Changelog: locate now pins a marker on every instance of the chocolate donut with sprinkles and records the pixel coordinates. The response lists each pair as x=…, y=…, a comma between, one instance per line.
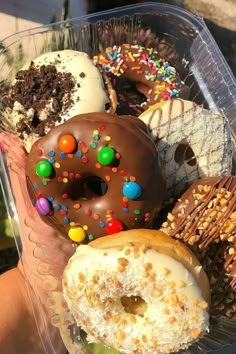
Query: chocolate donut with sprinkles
x=140, y=77
x=96, y=175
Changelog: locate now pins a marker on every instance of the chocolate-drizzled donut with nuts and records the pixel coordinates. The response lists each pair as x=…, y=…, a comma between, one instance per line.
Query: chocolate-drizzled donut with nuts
x=205, y=218
x=96, y=174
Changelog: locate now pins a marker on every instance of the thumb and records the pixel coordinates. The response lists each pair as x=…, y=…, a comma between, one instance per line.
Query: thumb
x=24, y=206
x=14, y=148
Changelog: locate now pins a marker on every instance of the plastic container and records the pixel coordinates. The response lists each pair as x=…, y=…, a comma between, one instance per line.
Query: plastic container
x=185, y=41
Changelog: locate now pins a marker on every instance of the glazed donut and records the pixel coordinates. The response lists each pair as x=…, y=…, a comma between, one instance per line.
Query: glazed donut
x=146, y=293
x=140, y=77
x=192, y=142
x=51, y=89
x=96, y=174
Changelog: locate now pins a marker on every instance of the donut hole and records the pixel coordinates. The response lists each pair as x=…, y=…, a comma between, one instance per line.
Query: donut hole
x=185, y=154
x=87, y=188
x=93, y=187
x=135, y=305
x=130, y=98
x=107, y=106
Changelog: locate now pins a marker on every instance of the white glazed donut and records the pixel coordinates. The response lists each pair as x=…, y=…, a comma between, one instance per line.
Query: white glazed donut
x=192, y=141
x=51, y=89
x=138, y=291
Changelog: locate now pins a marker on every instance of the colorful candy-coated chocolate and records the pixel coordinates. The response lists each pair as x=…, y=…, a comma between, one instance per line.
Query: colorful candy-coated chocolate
x=113, y=226
x=77, y=234
x=106, y=155
x=85, y=187
x=43, y=168
x=67, y=143
x=42, y=206
x=132, y=190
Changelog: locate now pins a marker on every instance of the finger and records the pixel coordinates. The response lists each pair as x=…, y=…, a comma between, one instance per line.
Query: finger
x=57, y=302
x=53, y=255
x=45, y=235
x=45, y=269
x=4, y=136
x=13, y=147
x=18, y=181
x=41, y=282
x=39, y=231
x=28, y=216
x=48, y=235
x=45, y=245
x=48, y=248
x=23, y=204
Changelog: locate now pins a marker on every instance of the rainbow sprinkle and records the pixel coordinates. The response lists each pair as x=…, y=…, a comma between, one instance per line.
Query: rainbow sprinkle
x=129, y=59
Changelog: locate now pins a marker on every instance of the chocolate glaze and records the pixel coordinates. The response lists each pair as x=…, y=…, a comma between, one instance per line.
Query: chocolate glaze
x=138, y=159
x=223, y=294
x=135, y=68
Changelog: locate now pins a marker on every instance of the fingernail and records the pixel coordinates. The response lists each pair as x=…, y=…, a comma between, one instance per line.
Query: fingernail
x=3, y=147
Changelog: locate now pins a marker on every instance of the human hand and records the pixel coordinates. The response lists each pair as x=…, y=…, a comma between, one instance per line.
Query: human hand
x=45, y=252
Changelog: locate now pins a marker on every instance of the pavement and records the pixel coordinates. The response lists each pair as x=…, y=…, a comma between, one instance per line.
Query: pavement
x=221, y=12
x=220, y=17
x=18, y=15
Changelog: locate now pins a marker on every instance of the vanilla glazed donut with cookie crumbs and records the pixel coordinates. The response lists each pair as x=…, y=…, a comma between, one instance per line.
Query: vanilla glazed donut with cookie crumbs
x=51, y=89
x=96, y=174
x=147, y=293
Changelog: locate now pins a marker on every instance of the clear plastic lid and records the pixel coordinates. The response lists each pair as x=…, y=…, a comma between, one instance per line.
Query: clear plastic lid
x=180, y=37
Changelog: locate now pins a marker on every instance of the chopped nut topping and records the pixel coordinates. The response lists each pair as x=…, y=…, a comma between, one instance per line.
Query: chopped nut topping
x=148, y=266
x=152, y=275
x=117, y=283
x=170, y=217
x=82, y=277
x=144, y=338
x=196, y=333
x=164, y=271
x=200, y=187
x=132, y=319
x=203, y=304
x=120, y=335
x=171, y=320
x=181, y=284
x=123, y=261
x=121, y=269
x=127, y=251
x=143, y=248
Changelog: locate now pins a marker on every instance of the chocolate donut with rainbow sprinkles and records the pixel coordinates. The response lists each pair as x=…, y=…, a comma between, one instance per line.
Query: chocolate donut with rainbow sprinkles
x=96, y=174
x=140, y=77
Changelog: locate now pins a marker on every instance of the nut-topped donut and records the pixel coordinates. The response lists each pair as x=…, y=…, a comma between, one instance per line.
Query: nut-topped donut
x=205, y=214
x=204, y=217
x=140, y=77
x=145, y=294
x=96, y=174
